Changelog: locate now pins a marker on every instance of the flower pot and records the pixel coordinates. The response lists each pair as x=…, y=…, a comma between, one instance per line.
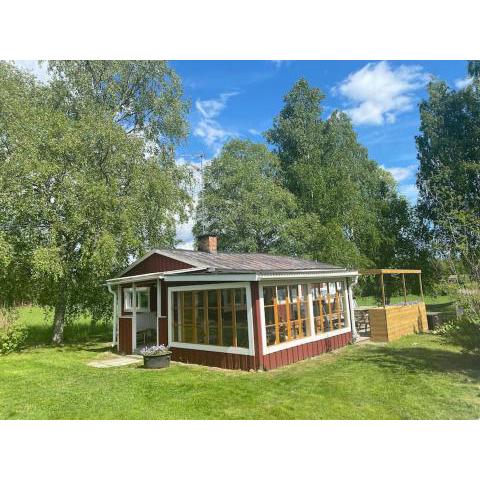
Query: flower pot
x=156, y=361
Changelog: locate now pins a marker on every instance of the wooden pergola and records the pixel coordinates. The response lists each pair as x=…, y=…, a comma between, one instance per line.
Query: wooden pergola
x=394, y=271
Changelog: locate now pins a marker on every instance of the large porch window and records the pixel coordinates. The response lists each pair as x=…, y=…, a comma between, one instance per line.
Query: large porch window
x=211, y=317
x=328, y=306
x=286, y=313
x=287, y=310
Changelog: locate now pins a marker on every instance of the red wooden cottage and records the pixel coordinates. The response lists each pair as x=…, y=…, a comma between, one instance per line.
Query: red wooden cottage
x=232, y=310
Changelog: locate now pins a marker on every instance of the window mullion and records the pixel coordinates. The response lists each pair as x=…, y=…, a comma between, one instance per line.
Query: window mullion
x=234, y=319
x=205, y=317
x=219, y=318
x=287, y=305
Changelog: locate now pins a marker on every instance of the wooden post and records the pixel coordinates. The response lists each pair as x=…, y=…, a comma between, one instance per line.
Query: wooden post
x=383, y=289
x=219, y=318
x=404, y=289
x=194, y=317
x=320, y=306
x=287, y=312
x=330, y=319
x=234, y=318
x=182, y=315
x=159, y=309
x=206, y=333
x=299, y=317
x=421, y=287
x=277, y=326
x=134, y=317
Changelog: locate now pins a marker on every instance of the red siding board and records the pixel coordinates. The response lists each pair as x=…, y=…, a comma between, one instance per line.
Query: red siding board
x=300, y=352
x=156, y=263
x=214, y=359
x=125, y=336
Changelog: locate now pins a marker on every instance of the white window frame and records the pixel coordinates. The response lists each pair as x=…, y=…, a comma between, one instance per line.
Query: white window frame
x=313, y=337
x=128, y=290
x=213, y=348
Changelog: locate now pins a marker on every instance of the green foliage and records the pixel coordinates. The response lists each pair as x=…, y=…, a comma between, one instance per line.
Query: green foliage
x=243, y=200
x=344, y=194
x=13, y=333
x=80, y=192
x=464, y=328
x=449, y=175
x=145, y=97
x=449, y=203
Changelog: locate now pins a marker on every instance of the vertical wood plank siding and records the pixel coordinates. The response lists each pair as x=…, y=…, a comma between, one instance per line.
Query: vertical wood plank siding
x=162, y=331
x=125, y=335
x=156, y=263
x=307, y=350
x=231, y=361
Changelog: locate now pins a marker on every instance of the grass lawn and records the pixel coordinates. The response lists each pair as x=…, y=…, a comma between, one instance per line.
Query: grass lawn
x=417, y=377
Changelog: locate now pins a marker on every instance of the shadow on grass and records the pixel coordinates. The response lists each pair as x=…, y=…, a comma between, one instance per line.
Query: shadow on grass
x=414, y=359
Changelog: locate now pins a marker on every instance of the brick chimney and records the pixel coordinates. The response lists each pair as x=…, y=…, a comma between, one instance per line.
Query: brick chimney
x=207, y=243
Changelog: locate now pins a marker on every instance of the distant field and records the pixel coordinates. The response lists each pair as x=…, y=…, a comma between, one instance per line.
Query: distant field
x=429, y=300
x=39, y=323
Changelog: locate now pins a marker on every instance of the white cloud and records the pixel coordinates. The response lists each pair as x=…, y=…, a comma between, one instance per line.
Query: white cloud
x=378, y=93
x=32, y=66
x=209, y=129
x=280, y=63
x=253, y=131
x=463, y=82
x=185, y=235
x=401, y=173
x=410, y=191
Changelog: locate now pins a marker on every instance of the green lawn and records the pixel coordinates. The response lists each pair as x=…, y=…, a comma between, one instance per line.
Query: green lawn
x=417, y=377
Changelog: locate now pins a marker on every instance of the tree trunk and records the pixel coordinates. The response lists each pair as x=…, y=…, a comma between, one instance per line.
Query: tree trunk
x=59, y=319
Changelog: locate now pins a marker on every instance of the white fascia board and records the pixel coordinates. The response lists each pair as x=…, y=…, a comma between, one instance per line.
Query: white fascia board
x=221, y=277
x=134, y=278
x=310, y=275
x=252, y=277
x=148, y=276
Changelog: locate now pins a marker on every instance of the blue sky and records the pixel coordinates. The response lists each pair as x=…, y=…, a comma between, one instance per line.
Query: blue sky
x=240, y=98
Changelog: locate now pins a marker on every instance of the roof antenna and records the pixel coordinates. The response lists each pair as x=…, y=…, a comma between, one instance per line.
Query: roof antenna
x=200, y=211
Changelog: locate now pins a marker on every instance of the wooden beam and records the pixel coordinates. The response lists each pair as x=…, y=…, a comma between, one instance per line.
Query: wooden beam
x=194, y=317
x=330, y=319
x=299, y=317
x=383, y=289
x=275, y=316
x=182, y=313
x=234, y=319
x=337, y=298
x=404, y=288
x=388, y=271
x=219, y=318
x=287, y=308
x=421, y=286
x=205, y=318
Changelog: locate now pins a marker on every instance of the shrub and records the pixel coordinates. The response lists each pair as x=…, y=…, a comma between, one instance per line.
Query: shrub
x=465, y=329
x=13, y=333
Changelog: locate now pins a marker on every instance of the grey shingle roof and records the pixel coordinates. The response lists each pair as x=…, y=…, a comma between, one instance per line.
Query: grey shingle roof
x=246, y=262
